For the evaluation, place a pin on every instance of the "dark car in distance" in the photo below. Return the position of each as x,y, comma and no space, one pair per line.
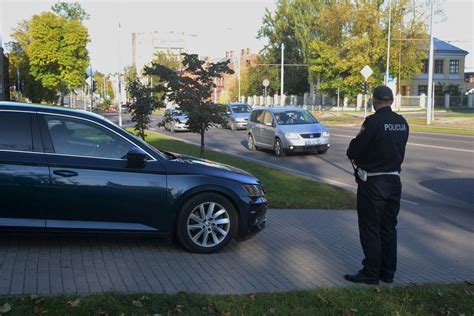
64,169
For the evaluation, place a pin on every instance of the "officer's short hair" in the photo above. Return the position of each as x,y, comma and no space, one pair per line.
383,93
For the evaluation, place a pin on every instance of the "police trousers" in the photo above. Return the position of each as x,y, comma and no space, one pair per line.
378,204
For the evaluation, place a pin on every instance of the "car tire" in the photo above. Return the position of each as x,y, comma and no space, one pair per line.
251,143
215,232
278,148
233,126
172,127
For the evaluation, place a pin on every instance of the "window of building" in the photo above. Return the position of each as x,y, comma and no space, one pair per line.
454,66
15,131
438,66
423,89
425,66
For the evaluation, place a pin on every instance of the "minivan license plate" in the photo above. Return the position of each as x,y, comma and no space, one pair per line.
311,142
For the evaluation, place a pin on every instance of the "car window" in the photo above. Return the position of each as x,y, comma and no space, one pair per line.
261,117
268,118
254,116
294,117
241,108
80,138
15,131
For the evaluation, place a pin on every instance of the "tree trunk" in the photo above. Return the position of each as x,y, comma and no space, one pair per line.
201,154
61,99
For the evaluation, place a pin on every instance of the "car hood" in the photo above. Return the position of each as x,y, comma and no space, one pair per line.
195,165
241,116
303,128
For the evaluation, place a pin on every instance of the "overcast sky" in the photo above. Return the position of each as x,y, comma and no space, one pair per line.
214,27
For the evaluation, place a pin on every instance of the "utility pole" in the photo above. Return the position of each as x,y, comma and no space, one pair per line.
2,79
282,73
92,88
430,70
119,97
388,40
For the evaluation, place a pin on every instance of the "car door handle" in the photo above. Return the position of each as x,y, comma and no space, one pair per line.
65,173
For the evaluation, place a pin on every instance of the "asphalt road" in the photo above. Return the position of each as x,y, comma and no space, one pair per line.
437,175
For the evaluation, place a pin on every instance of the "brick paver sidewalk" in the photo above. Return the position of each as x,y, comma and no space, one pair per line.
299,249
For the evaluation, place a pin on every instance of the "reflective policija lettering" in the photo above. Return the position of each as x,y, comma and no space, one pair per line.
395,127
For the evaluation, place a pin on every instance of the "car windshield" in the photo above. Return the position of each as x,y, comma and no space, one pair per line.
294,118
241,108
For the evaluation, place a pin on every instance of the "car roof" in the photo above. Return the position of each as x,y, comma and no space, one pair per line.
28,107
238,103
279,109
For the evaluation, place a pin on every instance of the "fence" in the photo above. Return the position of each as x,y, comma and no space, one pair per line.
320,102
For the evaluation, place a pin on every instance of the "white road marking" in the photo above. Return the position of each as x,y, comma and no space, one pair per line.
434,134
441,147
420,145
446,169
308,175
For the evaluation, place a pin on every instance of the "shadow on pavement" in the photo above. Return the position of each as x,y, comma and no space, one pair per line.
461,188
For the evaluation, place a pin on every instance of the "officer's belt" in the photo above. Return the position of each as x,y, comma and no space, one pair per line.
373,174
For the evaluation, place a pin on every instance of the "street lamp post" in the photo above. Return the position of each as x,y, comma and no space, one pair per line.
282,73
430,71
388,40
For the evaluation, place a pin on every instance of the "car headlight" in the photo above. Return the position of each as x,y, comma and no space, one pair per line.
325,134
254,190
292,136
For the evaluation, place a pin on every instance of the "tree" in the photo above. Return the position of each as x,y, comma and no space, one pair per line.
292,24
142,105
19,65
70,11
191,89
104,85
353,34
337,38
253,76
54,48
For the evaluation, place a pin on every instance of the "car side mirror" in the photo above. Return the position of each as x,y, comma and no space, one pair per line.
268,124
136,158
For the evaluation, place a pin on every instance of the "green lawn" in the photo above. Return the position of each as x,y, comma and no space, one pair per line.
284,190
454,299
443,130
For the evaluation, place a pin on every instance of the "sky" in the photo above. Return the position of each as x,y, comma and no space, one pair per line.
213,26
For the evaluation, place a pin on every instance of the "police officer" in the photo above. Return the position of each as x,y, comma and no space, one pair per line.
378,152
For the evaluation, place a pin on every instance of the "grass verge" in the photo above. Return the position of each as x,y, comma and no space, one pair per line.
442,130
451,299
284,190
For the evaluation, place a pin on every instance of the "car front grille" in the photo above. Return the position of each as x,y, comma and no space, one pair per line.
313,135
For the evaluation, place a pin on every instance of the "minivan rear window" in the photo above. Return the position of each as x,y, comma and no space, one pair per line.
15,131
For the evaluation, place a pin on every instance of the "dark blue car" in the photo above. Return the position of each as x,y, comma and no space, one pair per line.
73,170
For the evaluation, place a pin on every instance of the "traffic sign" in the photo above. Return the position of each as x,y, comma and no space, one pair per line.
266,82
366,72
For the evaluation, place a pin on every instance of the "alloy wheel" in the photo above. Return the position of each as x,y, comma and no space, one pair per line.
208,224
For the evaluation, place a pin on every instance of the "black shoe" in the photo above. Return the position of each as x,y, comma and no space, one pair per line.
361,278
386,279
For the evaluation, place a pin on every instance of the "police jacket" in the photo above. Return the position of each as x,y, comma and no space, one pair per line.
380,144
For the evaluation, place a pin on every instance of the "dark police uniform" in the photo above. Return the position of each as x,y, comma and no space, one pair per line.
379,149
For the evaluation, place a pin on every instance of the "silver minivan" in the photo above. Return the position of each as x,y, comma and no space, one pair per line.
238,115
285,130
